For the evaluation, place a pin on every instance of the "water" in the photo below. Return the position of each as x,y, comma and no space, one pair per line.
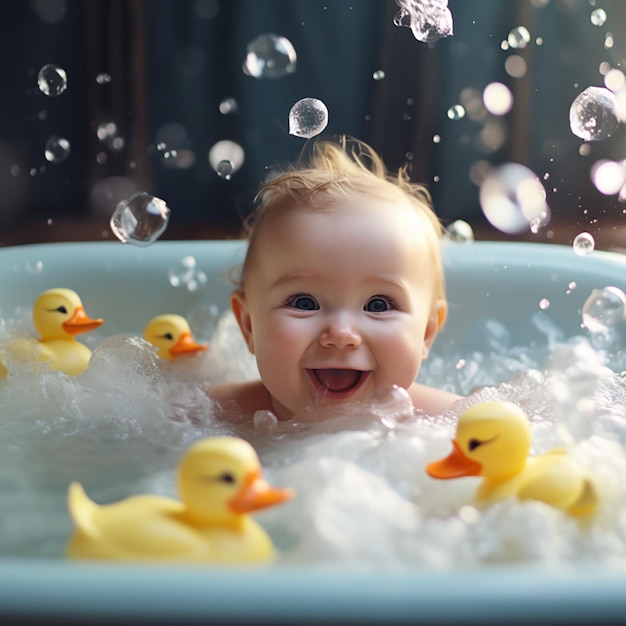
187,275
429,20
140,220
593,115
363,497
308,117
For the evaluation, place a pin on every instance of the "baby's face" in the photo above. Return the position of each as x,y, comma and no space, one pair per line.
338,303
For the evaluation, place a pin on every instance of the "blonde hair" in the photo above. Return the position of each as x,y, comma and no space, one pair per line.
340,170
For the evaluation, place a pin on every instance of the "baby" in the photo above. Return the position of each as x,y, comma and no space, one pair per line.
342,290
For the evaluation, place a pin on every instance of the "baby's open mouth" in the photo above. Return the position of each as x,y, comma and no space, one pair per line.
338,380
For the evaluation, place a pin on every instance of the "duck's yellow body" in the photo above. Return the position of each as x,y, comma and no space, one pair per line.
58,315
493,441
171,336
219,481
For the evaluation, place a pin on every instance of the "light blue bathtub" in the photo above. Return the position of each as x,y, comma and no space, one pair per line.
501,281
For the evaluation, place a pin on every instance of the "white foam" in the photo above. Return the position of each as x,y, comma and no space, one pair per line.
363,496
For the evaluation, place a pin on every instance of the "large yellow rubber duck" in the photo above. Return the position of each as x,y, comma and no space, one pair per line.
493,441
58,315
219,482
171,335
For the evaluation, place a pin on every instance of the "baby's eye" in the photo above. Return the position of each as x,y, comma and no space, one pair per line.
378,304
303,302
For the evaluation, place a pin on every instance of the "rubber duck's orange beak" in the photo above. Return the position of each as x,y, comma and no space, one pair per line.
455,465
185,345
80,322
257,494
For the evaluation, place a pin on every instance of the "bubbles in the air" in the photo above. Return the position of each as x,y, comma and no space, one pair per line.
378,75
185,273
270,56
456,112
52,80
429,20
512,197
604,308
519,37
497,98
584,243
57,149
308,117
224,169
459,231
608,176
103,78
228,105
598,17
140,220
226,157
593,115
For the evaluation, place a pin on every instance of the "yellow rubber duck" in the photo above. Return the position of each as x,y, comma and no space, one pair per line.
219,481
58,315
493,440
171,335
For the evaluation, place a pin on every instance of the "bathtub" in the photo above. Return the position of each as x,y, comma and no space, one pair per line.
500,281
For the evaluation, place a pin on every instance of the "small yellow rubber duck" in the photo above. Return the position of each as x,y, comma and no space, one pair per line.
58,315
493,440
219,481
171,335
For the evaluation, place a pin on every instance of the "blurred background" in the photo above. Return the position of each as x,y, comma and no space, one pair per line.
105,98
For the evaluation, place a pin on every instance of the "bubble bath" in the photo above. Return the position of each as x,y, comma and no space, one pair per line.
365,512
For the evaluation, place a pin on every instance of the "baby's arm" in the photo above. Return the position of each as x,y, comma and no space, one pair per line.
431,400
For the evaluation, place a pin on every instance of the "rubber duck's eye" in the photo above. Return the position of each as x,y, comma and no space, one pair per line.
60,309
168,336
472,444
226,477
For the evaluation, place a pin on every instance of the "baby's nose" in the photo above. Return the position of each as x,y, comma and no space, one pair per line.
341,332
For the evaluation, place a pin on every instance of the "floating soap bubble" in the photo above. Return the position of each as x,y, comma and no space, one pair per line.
378,75
598,17
456,112
512,197
603,308
270,56
103,78
140,220
584,244
393,405
460,231
497,98
228,105
593,115
308,117
224,169
57,149
429,20
52,80
519,37
608,176
185,273
226,157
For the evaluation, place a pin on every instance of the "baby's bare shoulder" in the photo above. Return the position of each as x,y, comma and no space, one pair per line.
243,398
430,399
